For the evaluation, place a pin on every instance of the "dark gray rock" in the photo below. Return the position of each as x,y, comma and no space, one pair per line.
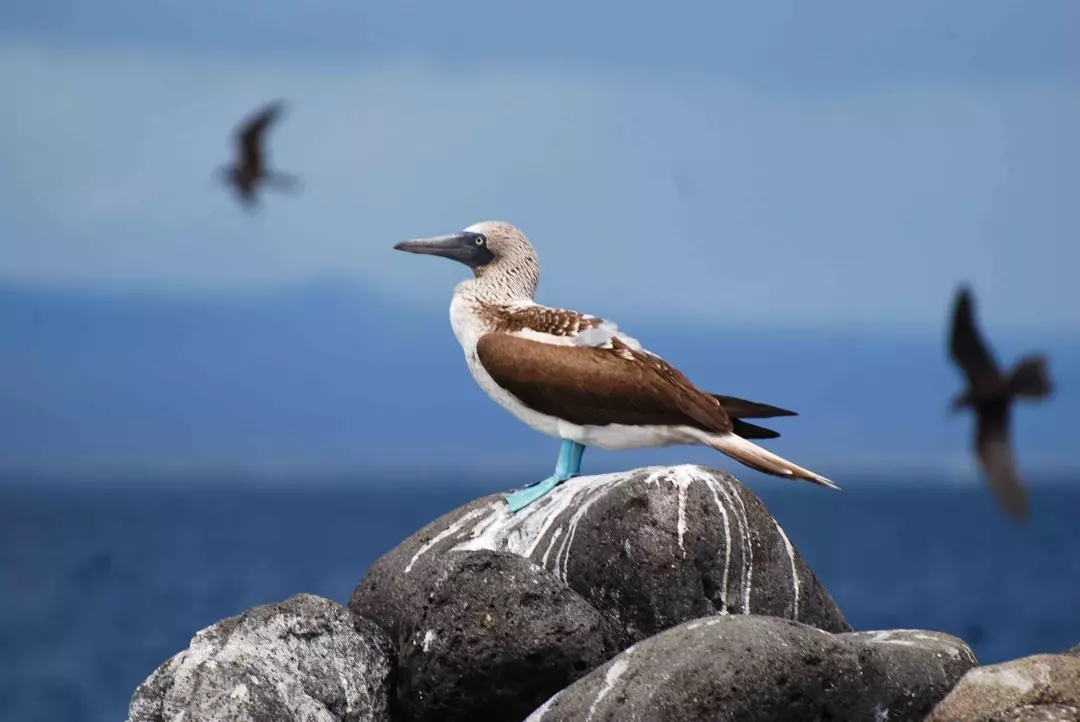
912,668
306,658
755,669
1000,692
650,548
485,634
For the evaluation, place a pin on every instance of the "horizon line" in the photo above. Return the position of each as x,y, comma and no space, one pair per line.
148,289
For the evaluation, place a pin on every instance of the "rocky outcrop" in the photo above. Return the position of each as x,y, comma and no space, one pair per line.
655,594
515,607
649,548
306,659
764,668
1041,687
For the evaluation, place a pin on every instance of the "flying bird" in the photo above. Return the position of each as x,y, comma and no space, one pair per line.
250,167
576,377
990,393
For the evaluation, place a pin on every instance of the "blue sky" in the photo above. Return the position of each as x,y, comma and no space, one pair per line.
778,163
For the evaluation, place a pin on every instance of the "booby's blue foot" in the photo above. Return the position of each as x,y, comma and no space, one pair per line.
568,466
518,500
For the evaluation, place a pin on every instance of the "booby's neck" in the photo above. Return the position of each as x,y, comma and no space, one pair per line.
478,301
501,284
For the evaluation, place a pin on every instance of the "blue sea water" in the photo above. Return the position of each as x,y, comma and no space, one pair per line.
98,585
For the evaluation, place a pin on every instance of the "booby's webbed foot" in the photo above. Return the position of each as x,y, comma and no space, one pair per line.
518,500
568,466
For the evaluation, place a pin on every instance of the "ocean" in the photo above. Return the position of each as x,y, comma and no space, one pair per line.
100,584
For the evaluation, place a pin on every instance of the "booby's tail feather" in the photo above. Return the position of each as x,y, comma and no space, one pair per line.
750,454
752,431
742,409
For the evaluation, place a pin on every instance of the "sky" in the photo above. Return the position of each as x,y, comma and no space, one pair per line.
768,164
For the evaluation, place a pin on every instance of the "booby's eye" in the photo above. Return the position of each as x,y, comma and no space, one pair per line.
479,240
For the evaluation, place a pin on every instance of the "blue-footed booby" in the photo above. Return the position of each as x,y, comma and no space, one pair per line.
576,377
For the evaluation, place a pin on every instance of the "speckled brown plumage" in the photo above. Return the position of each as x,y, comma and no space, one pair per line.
552,321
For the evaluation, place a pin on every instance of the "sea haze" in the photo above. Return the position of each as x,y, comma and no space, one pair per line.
331,377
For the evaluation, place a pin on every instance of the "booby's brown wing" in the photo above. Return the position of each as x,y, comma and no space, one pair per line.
596,386
995,457
249,136
967,347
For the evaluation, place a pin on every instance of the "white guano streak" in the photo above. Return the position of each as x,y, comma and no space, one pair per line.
748,554
546,521
744,534
794,568
448,531
713,485
600,491
616,670
681,477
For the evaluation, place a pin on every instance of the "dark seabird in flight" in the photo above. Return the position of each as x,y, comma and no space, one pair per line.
990,393
250,168
576,377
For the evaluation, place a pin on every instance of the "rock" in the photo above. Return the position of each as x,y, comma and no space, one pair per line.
752,667
306,658
1043,713
1002,691
485,633
914,668
1075,651
650,548
493,613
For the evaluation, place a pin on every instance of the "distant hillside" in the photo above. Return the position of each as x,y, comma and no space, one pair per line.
332,376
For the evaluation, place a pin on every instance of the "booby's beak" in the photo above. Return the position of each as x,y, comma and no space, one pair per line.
464,247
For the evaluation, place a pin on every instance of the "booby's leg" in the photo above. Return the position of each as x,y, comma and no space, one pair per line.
576,451
567,467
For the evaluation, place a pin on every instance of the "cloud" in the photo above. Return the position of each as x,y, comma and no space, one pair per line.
848,210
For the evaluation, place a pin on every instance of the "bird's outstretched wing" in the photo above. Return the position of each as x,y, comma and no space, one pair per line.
1031,378
995,457
597,386
967,347
250,133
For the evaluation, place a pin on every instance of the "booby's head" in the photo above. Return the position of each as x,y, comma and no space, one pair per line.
500,256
